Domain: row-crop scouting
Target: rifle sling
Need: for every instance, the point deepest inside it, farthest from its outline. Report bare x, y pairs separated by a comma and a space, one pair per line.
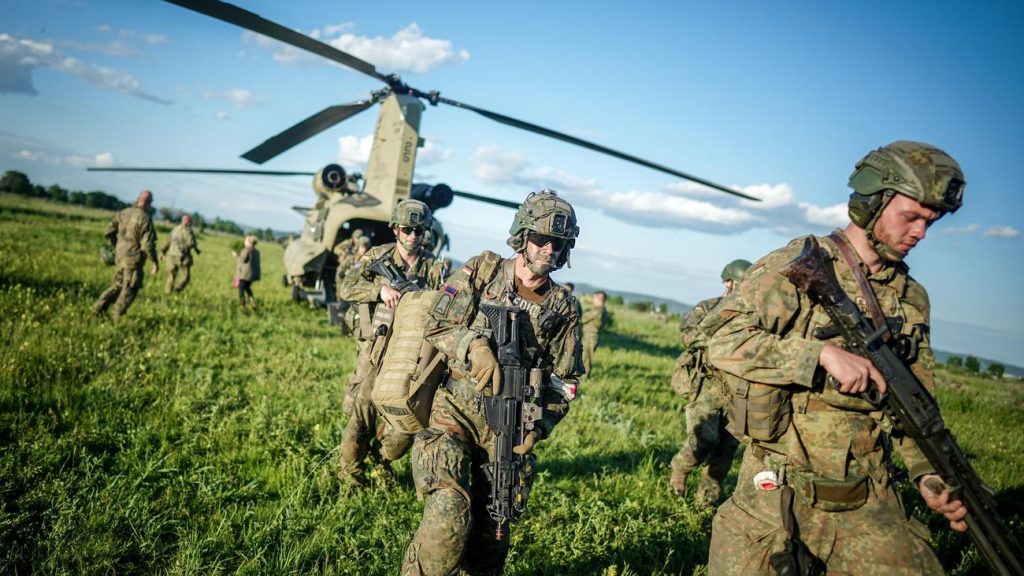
871, 301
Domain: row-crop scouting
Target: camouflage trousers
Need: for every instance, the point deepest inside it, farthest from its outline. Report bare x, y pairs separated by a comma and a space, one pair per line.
590, 342
178, 275
127, 283
456, 534
364, 426
706, 441
874, 539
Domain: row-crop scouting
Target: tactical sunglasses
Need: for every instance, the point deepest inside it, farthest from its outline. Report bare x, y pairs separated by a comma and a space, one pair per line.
418, 230
541, 240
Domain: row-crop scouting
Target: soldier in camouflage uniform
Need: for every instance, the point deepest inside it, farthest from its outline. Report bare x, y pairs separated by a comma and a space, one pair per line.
595, 318
346, 250
706, 395
178, 254
795, 398
456, 533
133, 237
409, 219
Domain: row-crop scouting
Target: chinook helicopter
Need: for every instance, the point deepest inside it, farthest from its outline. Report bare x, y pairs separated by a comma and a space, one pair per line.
343, 205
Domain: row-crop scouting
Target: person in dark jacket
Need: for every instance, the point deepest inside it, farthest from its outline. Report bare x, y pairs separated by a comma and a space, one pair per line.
247, 271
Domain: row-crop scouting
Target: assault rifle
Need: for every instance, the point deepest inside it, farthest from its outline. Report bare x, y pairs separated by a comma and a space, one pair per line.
385, 267
511, 415
910, 406
383, 316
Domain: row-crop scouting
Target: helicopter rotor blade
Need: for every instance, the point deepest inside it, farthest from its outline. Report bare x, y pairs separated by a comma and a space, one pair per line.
305, 130
204, 171
253, 22
487, 199
509, 121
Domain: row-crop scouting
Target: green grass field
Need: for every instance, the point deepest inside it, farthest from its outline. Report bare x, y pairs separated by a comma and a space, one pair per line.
197, 438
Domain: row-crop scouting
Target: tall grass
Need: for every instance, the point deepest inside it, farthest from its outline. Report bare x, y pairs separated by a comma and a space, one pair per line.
197, 438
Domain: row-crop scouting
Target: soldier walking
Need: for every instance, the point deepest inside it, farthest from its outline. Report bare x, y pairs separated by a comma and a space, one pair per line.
367, 289
177, 252
247, 271
456, 531
816, 486
706, 396
133, 238
595, 319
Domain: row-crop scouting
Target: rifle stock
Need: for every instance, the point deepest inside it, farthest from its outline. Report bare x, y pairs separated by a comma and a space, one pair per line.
910, 406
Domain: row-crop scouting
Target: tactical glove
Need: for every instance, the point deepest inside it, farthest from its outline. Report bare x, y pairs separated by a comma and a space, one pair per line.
528, 443
483, 366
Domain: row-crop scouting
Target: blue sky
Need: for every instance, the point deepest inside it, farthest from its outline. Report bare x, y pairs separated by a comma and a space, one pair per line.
778, 99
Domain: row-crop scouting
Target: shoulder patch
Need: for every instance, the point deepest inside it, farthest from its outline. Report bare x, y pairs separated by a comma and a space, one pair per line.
444, 300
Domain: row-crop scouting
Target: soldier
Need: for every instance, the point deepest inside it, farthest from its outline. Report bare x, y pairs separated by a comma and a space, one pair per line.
706, 436
595, 318
456, 532
368, 289
817, 475
346, 250
247, 271
178, 253
133, 237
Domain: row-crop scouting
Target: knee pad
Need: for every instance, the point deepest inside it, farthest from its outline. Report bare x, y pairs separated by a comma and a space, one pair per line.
439, 461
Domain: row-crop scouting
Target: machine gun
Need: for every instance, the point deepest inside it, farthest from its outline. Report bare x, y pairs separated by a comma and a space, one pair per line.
511, 415
910, 406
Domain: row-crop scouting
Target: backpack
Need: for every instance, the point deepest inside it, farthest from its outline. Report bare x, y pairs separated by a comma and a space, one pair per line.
409, 368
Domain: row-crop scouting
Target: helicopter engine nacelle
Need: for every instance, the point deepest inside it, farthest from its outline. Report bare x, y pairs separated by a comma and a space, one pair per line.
330, 179
436, 196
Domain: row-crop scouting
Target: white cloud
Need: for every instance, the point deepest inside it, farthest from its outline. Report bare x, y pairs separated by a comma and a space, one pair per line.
222, 115
240, 97
969, 229
1003, 232
20, 57
408, 50
354, 152
771, 195
432, 153
77, 160
835, 216
679, 204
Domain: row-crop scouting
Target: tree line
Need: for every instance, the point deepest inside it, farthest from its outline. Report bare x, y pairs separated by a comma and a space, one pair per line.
972, 365
19, 183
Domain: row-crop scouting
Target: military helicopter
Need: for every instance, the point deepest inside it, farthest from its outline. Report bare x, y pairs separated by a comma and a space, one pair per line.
344, 206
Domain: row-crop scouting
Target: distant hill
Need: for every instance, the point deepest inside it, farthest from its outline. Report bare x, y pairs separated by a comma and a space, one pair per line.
676, 307
942, 357
673, 306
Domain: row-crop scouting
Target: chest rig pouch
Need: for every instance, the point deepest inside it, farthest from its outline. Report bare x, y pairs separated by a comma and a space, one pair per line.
757, 411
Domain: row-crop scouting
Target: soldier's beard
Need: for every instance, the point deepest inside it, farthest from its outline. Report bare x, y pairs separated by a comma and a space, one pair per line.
884, 250
538, 266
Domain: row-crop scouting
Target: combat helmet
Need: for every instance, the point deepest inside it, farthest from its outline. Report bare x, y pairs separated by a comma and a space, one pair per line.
735, 270
545, 213
409, 212
920, 171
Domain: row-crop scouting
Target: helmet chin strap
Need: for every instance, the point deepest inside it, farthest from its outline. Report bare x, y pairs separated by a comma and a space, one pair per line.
884, 251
